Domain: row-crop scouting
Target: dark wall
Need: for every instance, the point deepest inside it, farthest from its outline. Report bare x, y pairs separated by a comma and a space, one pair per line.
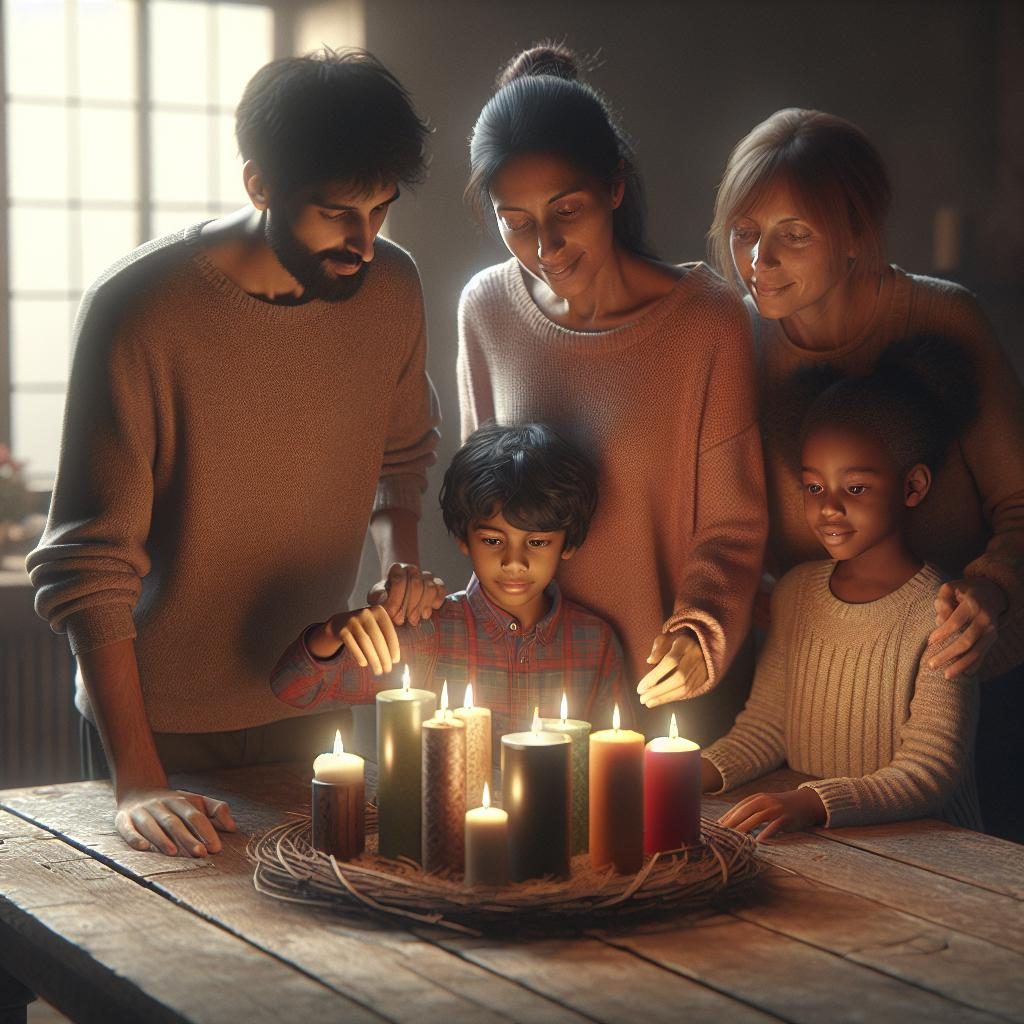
689, 79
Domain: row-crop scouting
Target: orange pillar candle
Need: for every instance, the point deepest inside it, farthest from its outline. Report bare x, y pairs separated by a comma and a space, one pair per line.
617, 798
444, 790
478, 745
486, 843
671, 792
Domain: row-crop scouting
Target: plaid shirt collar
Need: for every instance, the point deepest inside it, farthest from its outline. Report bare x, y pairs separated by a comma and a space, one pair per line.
497, 622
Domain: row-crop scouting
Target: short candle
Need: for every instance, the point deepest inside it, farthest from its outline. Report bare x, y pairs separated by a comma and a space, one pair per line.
671, 792
339, 803
486, 843
617, 798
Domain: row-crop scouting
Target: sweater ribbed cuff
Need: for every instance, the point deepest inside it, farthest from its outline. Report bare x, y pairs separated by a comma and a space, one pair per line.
837, 795
709, 636
732, 764
92, 628
399, 492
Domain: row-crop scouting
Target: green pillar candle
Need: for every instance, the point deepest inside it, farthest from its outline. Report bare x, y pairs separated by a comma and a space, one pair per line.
400, 716
579, 732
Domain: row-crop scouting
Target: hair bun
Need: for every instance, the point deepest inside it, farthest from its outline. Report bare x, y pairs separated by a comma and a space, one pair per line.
546, 58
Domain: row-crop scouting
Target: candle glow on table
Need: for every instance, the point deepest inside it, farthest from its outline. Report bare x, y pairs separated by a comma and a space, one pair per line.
486, 843
339, 803
579, 732
444, 790
400, 715
671, 792
478, 744
536, 773
617, 798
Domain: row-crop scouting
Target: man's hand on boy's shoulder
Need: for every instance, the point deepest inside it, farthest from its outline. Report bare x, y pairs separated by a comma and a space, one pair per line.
368, 633
408, 593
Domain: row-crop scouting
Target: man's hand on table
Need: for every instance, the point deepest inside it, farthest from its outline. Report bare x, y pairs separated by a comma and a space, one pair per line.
408, 593
172, 821
789, 811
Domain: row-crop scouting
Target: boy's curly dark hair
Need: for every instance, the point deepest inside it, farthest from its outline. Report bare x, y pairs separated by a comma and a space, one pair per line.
918, 399
537, 479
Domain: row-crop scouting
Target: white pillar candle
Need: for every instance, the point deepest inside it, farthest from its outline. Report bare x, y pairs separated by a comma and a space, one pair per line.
478, 744
486, 843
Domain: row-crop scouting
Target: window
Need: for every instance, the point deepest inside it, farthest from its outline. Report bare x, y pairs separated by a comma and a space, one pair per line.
119, 128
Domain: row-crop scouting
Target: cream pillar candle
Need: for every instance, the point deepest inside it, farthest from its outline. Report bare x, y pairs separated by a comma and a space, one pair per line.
444, 790
617, 798
579, 732
400, 714
478, 744
486, 843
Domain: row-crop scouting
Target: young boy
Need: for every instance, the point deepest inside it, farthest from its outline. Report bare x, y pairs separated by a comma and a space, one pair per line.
518, 501
844, 689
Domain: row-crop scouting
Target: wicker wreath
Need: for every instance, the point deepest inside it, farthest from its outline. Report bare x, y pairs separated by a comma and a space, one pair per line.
288, 868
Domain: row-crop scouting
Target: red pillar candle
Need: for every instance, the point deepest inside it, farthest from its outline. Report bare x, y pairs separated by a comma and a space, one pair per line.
617, 798
671, 792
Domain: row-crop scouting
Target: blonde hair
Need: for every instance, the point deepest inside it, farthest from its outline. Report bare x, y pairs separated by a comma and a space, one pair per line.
836, 173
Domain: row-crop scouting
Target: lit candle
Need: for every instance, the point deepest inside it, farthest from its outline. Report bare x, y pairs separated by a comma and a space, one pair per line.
400, 714
671, 792
478, 743
444, 790
617, 798
339, 808
486, 843
536, 777
579, 732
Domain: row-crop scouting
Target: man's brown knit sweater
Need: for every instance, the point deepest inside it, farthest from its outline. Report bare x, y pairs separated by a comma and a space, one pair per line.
666, 407
220, 459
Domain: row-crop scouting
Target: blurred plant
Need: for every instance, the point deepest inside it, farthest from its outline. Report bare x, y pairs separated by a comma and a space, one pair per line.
15, 498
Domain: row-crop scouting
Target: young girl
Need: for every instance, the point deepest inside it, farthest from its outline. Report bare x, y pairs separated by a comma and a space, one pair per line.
843, 690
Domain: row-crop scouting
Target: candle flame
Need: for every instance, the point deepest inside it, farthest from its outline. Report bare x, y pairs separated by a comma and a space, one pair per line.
673, 729
444, 698
339, 747
468, 700
616, 720
564, 707
535, 727
406, 682
487, 796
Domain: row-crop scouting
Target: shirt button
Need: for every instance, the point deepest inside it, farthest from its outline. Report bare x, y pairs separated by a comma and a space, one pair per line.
513, 626
522, 660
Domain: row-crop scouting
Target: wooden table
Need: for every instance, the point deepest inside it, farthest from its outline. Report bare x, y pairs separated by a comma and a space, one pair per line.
911, 922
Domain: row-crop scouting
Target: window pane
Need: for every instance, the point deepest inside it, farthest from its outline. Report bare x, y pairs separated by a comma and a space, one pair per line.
40, 340
106, 50
245, 42
34, 30
39, 249
106, 236
180, 158
36, 422
38, 151
166, 222
178, 52
230, 187
108, 149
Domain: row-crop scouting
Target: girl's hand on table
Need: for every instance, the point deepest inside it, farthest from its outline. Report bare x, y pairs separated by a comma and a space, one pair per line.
970, 607
408, 593
679, 669
789, 811
172, 821
368, 633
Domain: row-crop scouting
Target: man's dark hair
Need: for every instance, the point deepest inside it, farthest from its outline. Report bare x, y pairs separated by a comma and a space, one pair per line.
537, 479
330, 116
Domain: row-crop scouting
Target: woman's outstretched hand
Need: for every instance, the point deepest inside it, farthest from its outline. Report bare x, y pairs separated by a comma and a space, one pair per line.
679, 669
970, 607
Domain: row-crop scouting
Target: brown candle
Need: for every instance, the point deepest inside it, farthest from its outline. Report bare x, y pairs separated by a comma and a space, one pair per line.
444, 790
617, 798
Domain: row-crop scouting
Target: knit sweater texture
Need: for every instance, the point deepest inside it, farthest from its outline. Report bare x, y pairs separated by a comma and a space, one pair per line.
665, 405
220, 459
973, 519
842, 692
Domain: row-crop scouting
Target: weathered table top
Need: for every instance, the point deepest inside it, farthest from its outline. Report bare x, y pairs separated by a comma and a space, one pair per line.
912, 922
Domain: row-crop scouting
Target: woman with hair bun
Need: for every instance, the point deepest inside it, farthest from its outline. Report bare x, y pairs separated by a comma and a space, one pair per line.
645, 364
799, 228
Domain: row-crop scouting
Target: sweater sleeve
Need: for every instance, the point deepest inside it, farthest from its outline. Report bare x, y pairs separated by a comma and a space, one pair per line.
307, 682
413, 420
756, 744
716, 592
90, 561
476, 397
935, 748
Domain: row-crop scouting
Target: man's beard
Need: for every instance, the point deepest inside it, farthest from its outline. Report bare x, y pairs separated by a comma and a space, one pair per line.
307, 267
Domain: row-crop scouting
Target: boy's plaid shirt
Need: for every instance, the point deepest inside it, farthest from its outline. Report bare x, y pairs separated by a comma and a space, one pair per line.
470, 640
